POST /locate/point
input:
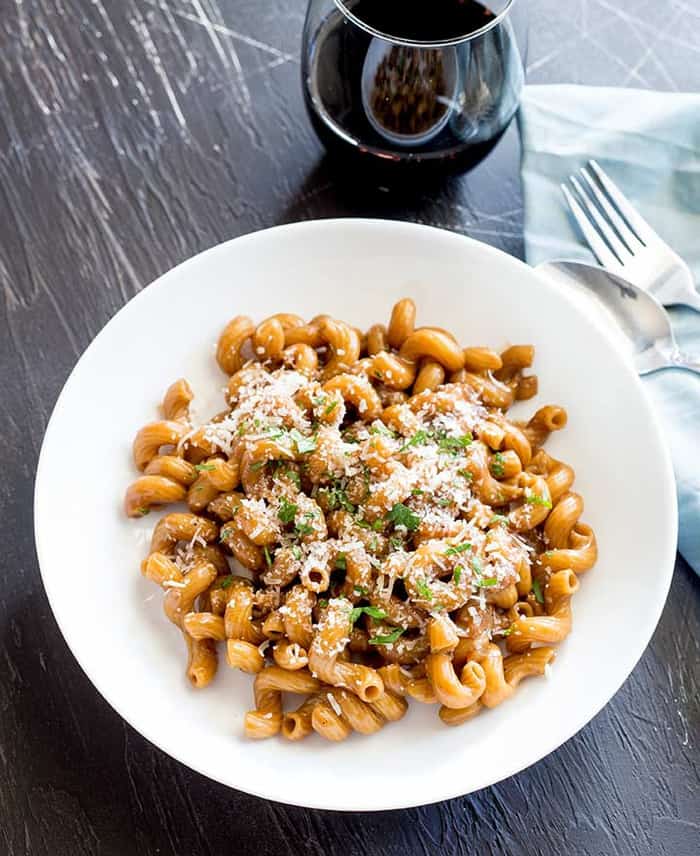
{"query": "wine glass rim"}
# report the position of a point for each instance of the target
(417, 43)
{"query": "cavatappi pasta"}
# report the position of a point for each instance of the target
(365, 525)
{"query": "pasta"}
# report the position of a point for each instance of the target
(365, 524)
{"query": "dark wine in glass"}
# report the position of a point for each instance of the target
(406, 82)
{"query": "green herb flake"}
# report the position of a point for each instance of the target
(331, 407)
(537, 589)
(323, 603)
(388, 639)
(476, 565)
(424, 590)
(258, 465)
(498, 520)
(338, 498)
(417, 492)
(372, 611)
(395, 543)
(465, 474)
(378, 525)
(304, 444)
(293, 476)
(227, 581)
(143, 511)
(443, 503)
(459, 548)
(497, 467)
(296, 552)
(507, 631)
(225, 533)
(287, 510)
(204, 467)
(380, 428)
(401, 515)
(268, 557)
(360, 590)
(453, 445)
(420, 438)
(304, 529)
(538, 500)
(457, 576)
(486, 582)
(341, 562)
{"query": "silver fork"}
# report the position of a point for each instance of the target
(623, 242)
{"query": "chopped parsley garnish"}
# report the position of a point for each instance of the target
(304, 529)
(443, 503)
(331, 407)
(424, 589)
(453, 445)
(143, 511)
(497, 467)
(293, 476)
(420, 438)
(538, 500)
(225, 533)
(417, 492)
(378, 525)
(296, 552)
(372, 611)
(227, 581)
(337, 498)
(304, 444)
(323, 603)
(258, 465)
(457, 576)
(401, 515)
(537, 589)
(507, 631)
(465, 474)
(341, 562)
(499, 520)
(486, 582)
(360, 590)
(287, 510)
(274, 433)
(204, 467)
(395, 543)
(380, 428)
(388, 639)
(319, 400)
(268, 557)
(460, 548)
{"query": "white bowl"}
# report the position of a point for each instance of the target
(112, 618)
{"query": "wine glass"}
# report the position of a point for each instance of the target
(403, 82)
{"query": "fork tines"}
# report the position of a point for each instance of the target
(610, 224)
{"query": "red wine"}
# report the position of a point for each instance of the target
(398, 103)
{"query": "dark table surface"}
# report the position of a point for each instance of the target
(133, 134)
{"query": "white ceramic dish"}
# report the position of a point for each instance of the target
(111, 617)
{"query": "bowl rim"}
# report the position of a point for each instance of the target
(576, 722)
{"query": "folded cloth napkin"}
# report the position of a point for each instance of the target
(649, 143)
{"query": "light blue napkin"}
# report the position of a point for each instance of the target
(649, 143)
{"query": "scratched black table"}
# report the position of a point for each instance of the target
(133, 134)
